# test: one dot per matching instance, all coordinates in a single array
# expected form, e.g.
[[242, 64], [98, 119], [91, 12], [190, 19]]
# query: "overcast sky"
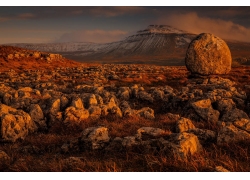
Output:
[[108, 24]]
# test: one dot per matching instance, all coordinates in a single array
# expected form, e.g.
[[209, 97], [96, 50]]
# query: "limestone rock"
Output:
[[77, 103], [230, 134], [14, 124], [205, 110], [220, 169], [94, 112], [95, 137], [234, 115], [208, 54], [37, 116], [185, 144], [149, 131], [243, 124], [4, 160], [129, 141], [204, 135], [73, 115], [183, 125], [146, 112], [225, 105]]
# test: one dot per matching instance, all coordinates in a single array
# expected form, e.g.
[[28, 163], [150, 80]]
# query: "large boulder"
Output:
[[208, 54]]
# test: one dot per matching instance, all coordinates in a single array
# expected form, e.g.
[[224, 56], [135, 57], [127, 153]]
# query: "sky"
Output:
[[103, 24]]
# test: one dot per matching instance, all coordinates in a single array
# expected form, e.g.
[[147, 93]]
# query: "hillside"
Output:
[[19, 59]]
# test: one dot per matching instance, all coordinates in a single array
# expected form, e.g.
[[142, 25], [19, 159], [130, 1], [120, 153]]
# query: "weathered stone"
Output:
[[15, 124], [225, 105], [230, 134], [74, 115], [95, 137], [150, 132], [4, 160], [208, 54], [221, 169], [243, 124], [77, 103], [185, 144], [94, 112], [234, 115], [146, 112], [183, 125], [204, 135], [130, 141], [205, 110], [37, 116]]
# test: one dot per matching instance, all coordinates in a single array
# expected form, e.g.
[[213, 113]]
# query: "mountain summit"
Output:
[[161, 29]]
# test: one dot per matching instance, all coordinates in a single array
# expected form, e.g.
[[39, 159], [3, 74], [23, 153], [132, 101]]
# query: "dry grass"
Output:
[[41, 152]]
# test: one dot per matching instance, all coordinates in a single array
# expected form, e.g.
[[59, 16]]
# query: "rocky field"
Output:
[[124, 118]]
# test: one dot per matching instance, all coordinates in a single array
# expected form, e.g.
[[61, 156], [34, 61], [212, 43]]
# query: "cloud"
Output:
[[25, 16], [115, 11], [97, 36], [196, 24]]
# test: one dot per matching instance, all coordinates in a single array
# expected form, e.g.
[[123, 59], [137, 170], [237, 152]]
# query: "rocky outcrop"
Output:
[[208, 54]]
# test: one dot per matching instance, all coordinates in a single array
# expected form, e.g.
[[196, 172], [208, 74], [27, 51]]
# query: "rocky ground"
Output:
[[124, 118]]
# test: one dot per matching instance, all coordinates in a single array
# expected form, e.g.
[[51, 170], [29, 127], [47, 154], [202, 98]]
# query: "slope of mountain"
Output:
[[157, 44]]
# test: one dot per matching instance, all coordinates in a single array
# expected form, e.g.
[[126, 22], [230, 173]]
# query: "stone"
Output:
[[77, 103], [204, 135], [183, 125], [230, 133], [149, 131], [243, 124], [146, 113], [14, 124], [94, 112], [37, 116], [4, 160], [95, 137], [234, 115], [185, 144], [205, 110], [221, 169], [74, 115], [225, 105], [130, 141], [207, 55]]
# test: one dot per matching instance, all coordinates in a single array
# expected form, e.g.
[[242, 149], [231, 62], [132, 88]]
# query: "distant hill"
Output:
[[18, 59], [157, 44]]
